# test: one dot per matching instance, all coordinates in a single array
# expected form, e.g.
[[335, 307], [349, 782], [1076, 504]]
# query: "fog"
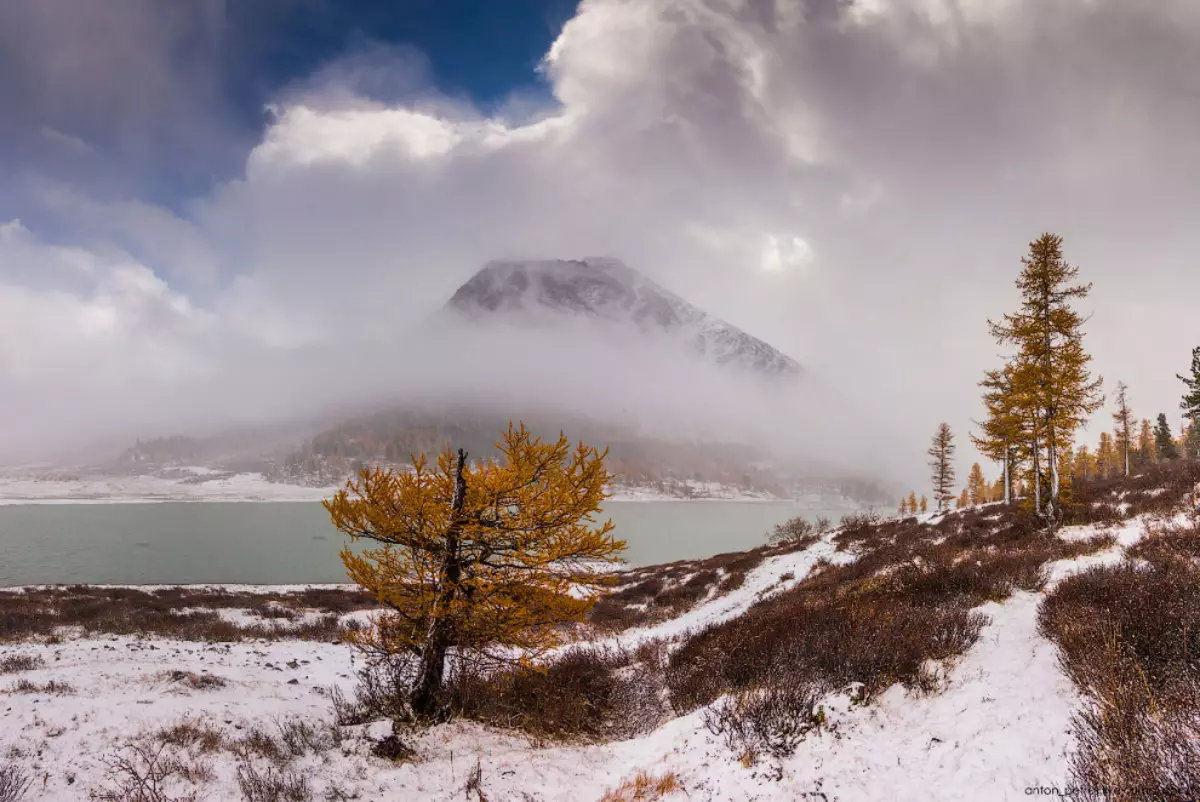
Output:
[[852, 182]]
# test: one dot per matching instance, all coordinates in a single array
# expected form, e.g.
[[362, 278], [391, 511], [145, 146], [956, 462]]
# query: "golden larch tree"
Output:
[[924, 504], [1051, 382], [1106, 456], [912, 503], [489, 558], [1004, 432], [1145, 449], [977, 486], [1085, 464]]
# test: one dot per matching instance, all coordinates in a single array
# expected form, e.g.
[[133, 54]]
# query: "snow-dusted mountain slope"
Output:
[[607, 290]]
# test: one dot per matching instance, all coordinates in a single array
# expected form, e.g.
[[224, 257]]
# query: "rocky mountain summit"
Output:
[[606, 290]]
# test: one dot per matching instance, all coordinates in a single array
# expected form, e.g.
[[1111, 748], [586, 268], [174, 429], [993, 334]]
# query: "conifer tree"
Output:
[[924, 504], [977, 487], [903, 506], [941, 463], [1191, 443], [1123, 418], [1004, 429], [1050, 376], [1191, 399], [1085, 464], [1106, 456], [964, 499], [1145, 450], [1164, 442], [485, 559], [912, 503], [998, 490]]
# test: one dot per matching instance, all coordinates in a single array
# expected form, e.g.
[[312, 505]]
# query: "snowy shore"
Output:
[[199, 484]]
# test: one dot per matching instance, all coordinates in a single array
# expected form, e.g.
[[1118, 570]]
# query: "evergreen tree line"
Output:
[[1038, 399]]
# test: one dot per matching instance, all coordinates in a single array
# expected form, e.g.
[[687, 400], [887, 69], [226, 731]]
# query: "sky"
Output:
[[214, 210]]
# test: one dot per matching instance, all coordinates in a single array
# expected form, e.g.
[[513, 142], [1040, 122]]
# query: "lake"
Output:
[[293, 542]]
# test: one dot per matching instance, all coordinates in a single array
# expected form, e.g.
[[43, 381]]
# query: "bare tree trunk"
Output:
[[432, 664], [1007, 479], [1052, 459], [1037, 477]]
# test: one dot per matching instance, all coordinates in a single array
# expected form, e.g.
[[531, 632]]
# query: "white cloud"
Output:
[[787, 253], [917, 145]]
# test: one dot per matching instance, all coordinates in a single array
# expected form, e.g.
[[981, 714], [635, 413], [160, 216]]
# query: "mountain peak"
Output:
[[608, 290]]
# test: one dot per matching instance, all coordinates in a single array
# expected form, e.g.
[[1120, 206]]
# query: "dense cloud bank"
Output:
[[853, 182]]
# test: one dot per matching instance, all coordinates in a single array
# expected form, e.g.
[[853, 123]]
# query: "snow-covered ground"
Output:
[[999, 728], [205, 484], [201, 486]]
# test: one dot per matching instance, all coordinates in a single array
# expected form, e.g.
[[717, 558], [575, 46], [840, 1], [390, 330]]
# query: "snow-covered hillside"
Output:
[[999, 725], [541, 292]]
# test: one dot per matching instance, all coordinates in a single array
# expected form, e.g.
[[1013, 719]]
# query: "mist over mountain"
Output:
[[591, 348]]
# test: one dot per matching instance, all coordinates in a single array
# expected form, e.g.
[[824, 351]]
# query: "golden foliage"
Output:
[[516, 560], [1045, 392]]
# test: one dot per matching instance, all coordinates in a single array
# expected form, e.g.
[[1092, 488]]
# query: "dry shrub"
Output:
[[1157, 490], [792, 530], [644, 787], [906, 600], [14, 782], [143, 773], [130, 611], [300, 737], [257, 742], [1170, 544], [771, 720], [1125, 638], [394, 748], [197, 682], [190, 733], [859, 522], [834, 642], [13, 663], [662, 592], [381, 693], [585, 694], [272, 785], [53, 687]]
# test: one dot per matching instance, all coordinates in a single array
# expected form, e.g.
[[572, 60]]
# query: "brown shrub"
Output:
[[585, 694], [662, 592], [143, 773], [1124, 638], [197, 682], [905, 600], [14, 783], [791, 530], [1157, 490], [53, 687], [13, 663], [191, 732], [765, 721], [1168, 544], [272, 785], [130, 611]]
